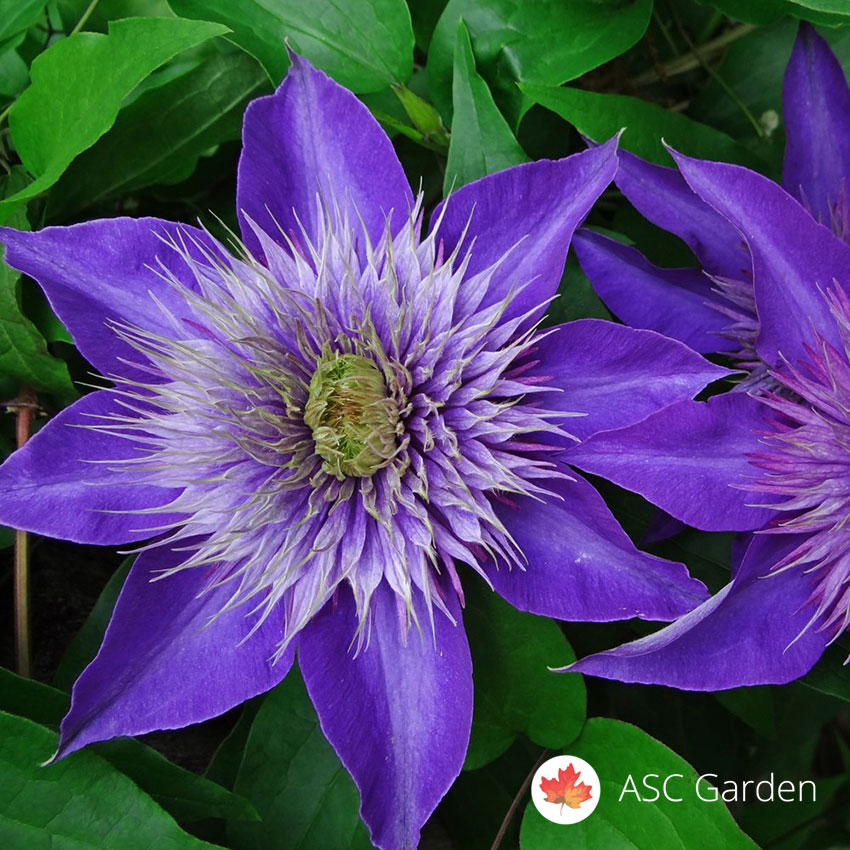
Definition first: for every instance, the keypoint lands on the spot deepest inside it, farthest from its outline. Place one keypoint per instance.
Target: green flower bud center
(353, 419)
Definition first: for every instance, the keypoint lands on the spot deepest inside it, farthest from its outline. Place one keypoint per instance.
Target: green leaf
(24, 357)
(515, 691)
(14, 74)
(86, 642)
(783, 825)
(752, 11)
(481, 140)
(363, 44)
(224, 765)
(831, 7)
(159, 138)
(576, 297)
(33, 700)
(618, 750)
(18, 15)
(547, 42)
(831, 675)
(291, 774)
(753, 705)
(23, 350)
(184, 794)
(77, 88)
(78, 803)
(769, 11)
(600, 116)
(425, 14)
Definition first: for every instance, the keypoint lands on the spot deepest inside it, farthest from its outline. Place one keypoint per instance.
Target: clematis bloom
(771, 296)
(788, 597)
(304, 434)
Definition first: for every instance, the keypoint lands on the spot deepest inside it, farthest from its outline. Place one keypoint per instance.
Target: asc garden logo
(565, 789)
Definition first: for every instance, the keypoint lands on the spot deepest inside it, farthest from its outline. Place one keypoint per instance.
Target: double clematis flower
(301, 436)
(776, 301)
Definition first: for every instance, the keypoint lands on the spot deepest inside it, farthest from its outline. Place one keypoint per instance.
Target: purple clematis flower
(790, 591)
(713, 309)
(304, 436)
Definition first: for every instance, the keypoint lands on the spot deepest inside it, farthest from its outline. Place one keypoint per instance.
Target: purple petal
(398, 713)
(58, 484)
(164, 663)
(582, 565)
(312, 137)
(795, 259)
(661, 195)
(816, 102)
(689, 459)
(616, 375)
(750, 633)
(540, 203)
(106, 271)
(678, 303)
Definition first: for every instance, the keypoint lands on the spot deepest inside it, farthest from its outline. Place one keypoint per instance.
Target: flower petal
(59, 485)
(106, 271)
(690, 459)
(582, 565)
(795, 259)
(750, 633)
(164, 663)
(312, 137)
(536, 207)
(397, 713)
(679, 303)
(616, 375)
(661, 195)
(816, 103)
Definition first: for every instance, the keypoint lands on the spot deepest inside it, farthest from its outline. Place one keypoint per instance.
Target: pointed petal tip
(808, 37)
(314, 135)
(54, 758)
(294, 58)
(300, 64)
(681, 158)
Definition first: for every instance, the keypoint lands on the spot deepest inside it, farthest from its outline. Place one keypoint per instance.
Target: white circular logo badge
(565, 789)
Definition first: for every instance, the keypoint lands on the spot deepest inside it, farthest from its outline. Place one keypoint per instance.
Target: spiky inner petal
(807, 466)
(338, 412)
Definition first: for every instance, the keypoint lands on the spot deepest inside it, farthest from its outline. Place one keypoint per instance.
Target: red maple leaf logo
(565, 790)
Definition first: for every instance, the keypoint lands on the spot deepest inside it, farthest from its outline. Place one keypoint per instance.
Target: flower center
(353, 420)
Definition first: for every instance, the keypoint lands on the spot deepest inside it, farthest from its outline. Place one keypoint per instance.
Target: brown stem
(26, 405)
(693, 59)
(509, 815)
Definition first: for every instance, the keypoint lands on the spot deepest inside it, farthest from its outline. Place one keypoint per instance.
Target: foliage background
(133, 107)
